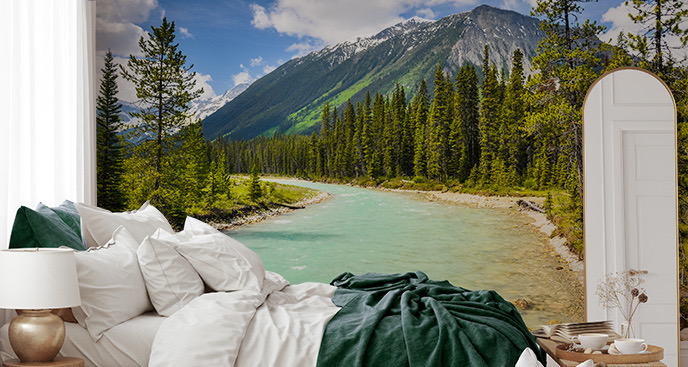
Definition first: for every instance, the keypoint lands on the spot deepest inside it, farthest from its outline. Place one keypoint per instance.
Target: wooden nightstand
(57, 362)
(549, 346)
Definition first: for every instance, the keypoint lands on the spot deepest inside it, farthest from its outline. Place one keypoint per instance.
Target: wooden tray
(577, 355)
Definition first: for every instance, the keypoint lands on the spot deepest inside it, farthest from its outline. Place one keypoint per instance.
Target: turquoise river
(364, 230)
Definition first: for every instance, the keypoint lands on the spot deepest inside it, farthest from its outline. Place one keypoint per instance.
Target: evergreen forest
(485, 130)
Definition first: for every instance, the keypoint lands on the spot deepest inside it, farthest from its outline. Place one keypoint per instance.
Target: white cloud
(257, 61)
(334, 21)
(242, 77)
(202, 82)
(261, 20)
(303, 48)
(184, 32)
(621, 22)
(532, 3)
(127, 91)
(511, 4)
(426, 13)
(267, 69)
(115, 28)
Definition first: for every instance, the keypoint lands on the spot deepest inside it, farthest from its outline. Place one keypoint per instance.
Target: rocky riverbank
(257, 214)
(539, 222)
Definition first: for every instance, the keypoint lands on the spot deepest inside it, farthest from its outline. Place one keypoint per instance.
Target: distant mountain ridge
(199, 108)
(202, 108)
(290, 99)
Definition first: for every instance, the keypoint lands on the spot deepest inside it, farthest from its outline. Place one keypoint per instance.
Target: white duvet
(280, 326)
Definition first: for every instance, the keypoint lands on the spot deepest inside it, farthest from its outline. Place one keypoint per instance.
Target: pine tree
(358, 151)
(349, 127)
(325, 139)
(620, 57)
(192, 167)
(420, 119)
(389, 140)
(313, 154)
(438, 129)
(375, 136)
(110, 149)
(660, 19)
(467, 116)
(338, 148)
(164, 87)
(512, 150)
(216, 193)
(566, 65)
(490, 108)
(366, 132)
(254, 190)
(548, 205)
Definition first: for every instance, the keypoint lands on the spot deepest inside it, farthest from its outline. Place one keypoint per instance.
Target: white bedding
(280, 326)
(127, 344)
(302, 309)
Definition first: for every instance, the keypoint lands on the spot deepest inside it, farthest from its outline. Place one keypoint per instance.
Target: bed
(153, 297)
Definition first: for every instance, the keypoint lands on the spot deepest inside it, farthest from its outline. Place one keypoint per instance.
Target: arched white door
(629, 139)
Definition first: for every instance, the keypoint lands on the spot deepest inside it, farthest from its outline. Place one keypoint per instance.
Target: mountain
(202, 108)
(125, 114)
(290, 99)
(198, 108)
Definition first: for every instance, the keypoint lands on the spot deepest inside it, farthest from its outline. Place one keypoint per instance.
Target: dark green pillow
(67, 212)
(45, 228)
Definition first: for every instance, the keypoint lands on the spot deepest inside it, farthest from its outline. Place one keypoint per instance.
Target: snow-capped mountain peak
(202, 108)
(198, 108)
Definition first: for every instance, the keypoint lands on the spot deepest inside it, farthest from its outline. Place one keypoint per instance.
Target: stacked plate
(565, 332)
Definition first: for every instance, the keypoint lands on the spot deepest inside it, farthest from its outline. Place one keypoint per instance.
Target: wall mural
(433, 137)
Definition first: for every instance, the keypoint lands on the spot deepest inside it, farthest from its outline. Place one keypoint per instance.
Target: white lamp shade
(38, 279)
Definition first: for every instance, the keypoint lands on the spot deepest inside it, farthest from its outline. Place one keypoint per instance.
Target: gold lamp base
(36, 335)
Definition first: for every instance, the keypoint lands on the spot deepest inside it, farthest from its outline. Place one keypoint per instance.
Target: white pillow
(171, 281)
(528, 359)
(98, 224)
(111, 285)
(194, 226)
(223, 263)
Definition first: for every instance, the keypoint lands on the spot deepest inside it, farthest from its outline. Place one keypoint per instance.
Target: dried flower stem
(622, 291)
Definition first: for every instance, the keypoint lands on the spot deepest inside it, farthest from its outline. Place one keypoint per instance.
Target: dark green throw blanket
(409, 320)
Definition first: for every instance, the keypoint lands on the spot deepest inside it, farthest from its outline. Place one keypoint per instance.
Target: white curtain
(47, 105)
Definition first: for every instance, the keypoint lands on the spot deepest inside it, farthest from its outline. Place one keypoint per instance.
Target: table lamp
(35, 281)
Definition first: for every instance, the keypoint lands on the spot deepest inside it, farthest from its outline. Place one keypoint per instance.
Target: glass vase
(627, 330)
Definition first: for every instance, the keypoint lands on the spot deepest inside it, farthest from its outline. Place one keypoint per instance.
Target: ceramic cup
(593, 341)
(630, 346)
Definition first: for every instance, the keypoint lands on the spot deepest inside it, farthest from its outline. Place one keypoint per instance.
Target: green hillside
(291, 98)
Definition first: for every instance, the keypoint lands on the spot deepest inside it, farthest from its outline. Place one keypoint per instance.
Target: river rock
(684, 334)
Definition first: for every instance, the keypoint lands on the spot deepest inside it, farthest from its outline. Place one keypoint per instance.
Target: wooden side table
(57, 362)
(550, 346)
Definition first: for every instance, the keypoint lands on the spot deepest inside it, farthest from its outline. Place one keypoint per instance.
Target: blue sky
(233, 41)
